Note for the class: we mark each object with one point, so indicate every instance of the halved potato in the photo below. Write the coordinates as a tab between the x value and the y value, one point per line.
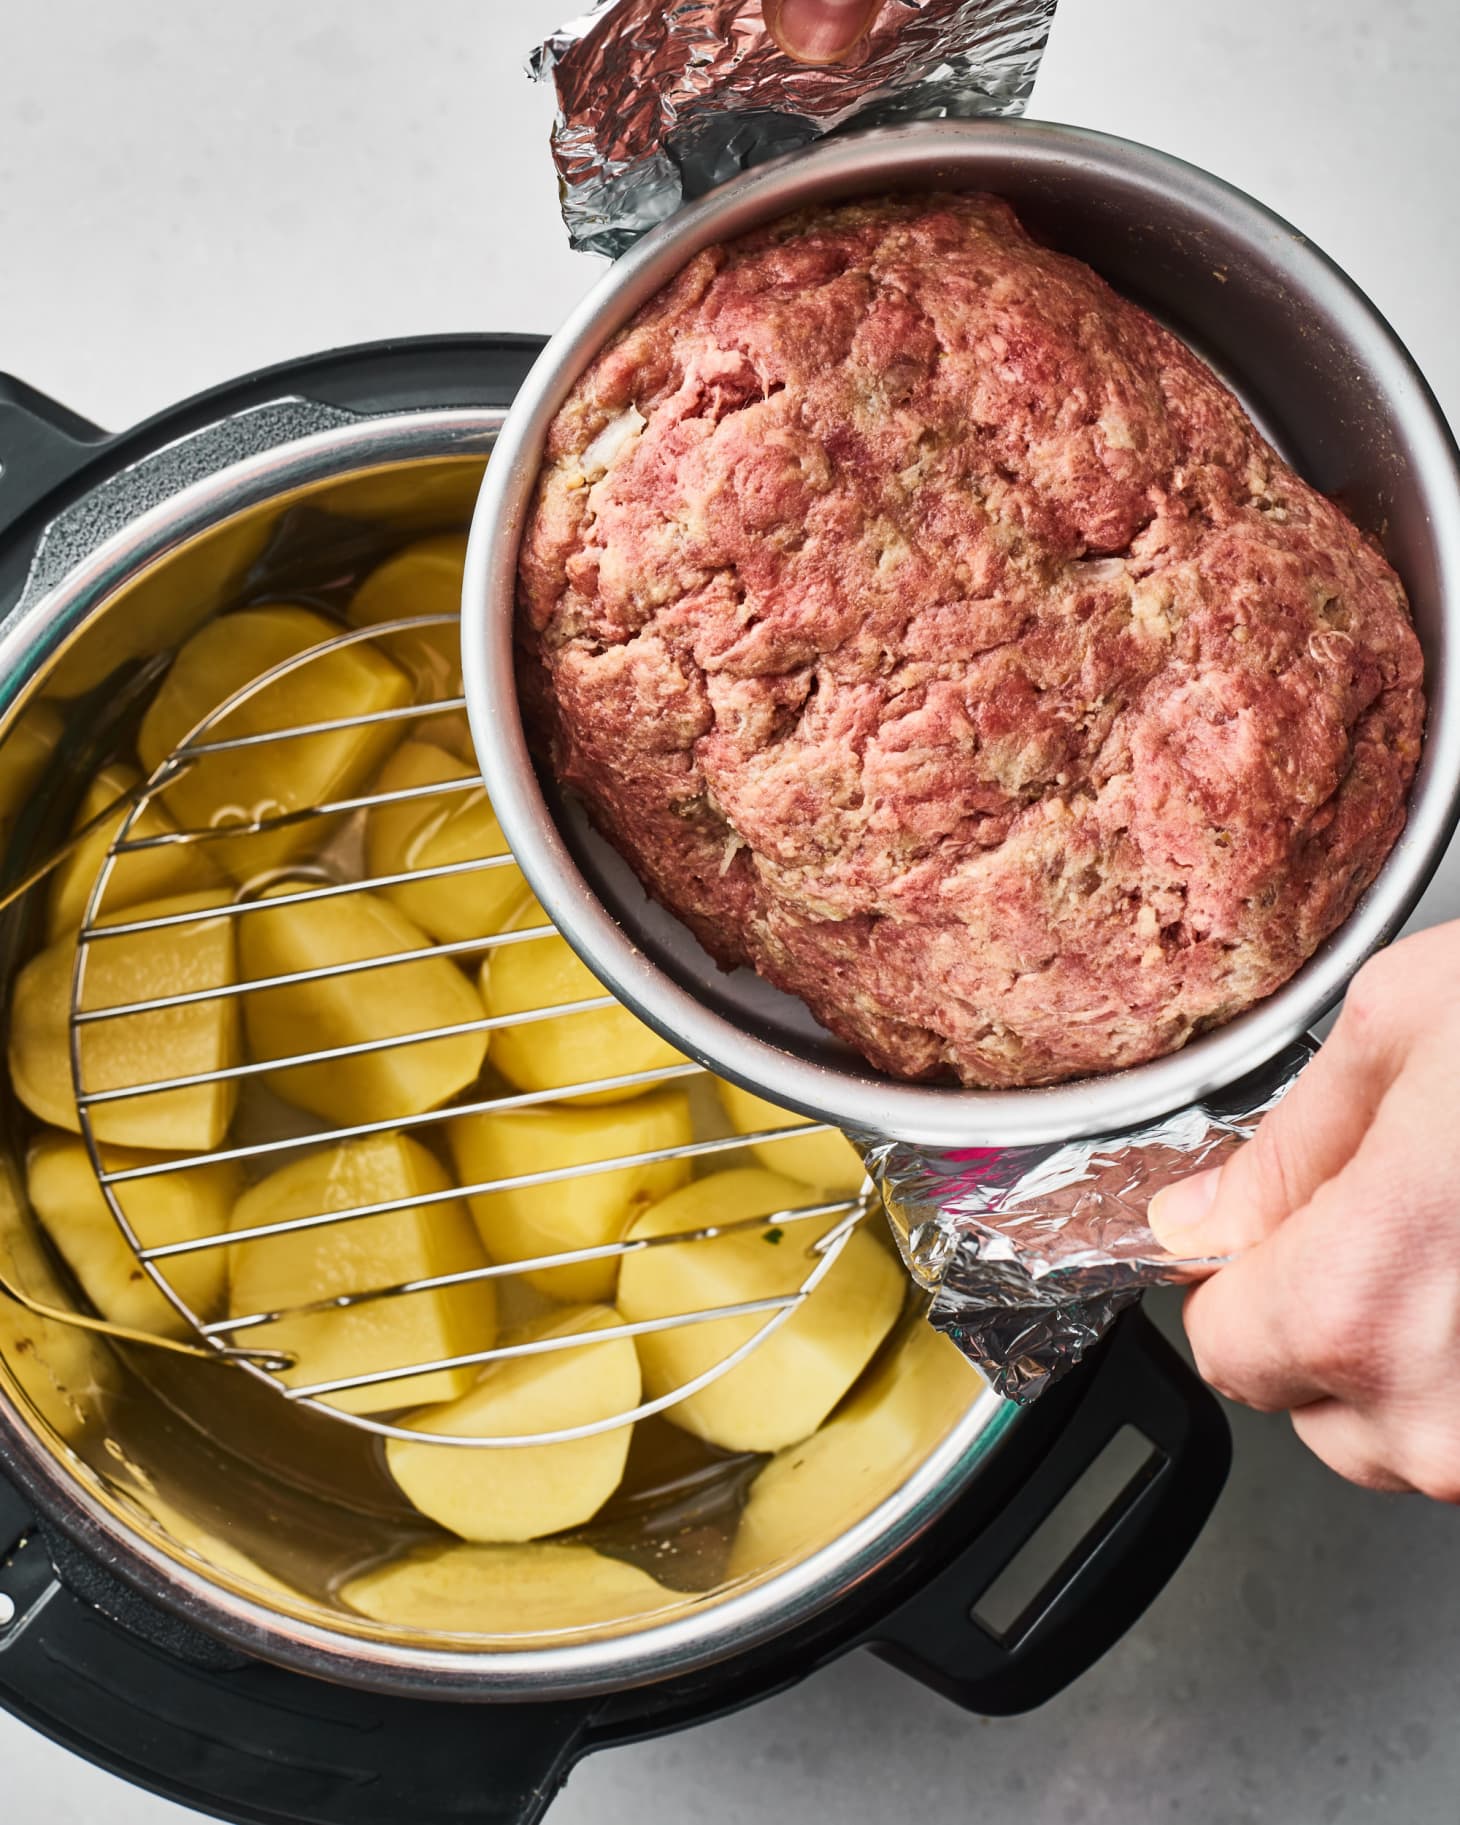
425	833
423	579
175	1207
507	1493
496	1591
273	778
146	874
133	1049
416	1242
828	1160
790	1382
525	1221
573	1048
356	1008
828	1481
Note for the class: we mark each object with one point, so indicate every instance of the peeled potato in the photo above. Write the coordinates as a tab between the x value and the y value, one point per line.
497	1591
275	777
827	1482
510	1492
175	1207
434	832
417	1242
146	874
574	1048
583	1212
424	579
828	1159
790	1382
134	1048
354	1009
24	750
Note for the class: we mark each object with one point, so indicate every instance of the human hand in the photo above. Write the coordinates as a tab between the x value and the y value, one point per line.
1343	1211
818	31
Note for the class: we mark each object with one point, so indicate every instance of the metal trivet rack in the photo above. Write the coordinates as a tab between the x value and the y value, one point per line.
227	1338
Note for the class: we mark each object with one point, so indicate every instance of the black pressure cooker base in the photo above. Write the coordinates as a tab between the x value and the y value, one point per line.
96	1668
94	1665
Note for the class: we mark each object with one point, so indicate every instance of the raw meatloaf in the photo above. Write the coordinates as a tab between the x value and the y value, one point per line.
930	629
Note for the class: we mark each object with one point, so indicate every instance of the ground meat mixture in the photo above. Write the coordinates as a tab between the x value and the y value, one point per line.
931	630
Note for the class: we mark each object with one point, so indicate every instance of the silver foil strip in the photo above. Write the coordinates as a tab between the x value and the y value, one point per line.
660	102
1030	1252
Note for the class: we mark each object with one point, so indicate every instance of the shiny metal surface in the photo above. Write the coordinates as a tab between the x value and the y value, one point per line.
89	1441
1313	359
841	1216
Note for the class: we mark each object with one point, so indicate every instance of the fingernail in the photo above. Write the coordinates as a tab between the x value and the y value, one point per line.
818	31
1176	1211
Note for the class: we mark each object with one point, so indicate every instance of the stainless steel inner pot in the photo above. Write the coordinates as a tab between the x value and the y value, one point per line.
172	1473
1322	373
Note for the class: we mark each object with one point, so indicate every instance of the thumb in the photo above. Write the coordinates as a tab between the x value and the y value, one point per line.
819	31
1308	1138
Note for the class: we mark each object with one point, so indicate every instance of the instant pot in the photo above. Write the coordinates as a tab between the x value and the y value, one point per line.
168	1573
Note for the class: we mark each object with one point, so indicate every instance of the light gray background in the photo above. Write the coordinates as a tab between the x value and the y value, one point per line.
190	191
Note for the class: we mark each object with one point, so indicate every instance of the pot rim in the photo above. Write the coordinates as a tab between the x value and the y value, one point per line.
859	1098
31	639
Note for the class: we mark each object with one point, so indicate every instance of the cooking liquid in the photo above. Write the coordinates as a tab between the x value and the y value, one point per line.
309	1498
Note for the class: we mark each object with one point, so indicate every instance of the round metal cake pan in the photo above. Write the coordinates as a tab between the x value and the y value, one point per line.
1325	377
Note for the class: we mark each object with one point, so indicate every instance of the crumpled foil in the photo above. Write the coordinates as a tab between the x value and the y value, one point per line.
1030	1252
661	100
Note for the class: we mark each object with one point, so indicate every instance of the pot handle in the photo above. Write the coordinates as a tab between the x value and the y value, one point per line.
170	1710
42	443
1142	1387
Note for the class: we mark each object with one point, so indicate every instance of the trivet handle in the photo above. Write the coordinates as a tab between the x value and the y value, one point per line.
1118	1565
246	1742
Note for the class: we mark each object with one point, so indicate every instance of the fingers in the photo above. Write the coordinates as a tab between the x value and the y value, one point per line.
1309	1312
819	31
1305	1141
1350	1443
1239	1325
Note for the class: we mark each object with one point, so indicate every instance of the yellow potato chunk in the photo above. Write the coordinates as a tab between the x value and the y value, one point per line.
174	1207
434	832
24	752
829	1481
133	1049
828	1160
416	1242
790	1382
574	1048
146	874
423	579
509	1493
356	1009
273	778
505	1591
526	1221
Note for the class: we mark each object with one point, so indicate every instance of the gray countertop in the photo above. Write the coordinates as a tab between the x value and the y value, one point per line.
186	193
